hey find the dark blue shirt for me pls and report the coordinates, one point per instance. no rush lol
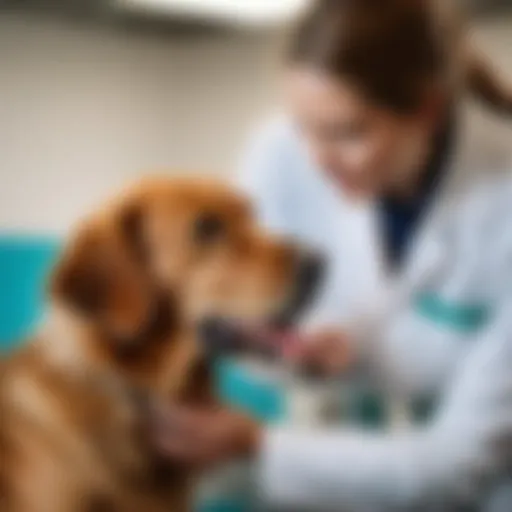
(400, 218)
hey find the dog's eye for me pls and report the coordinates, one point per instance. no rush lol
(208, 228)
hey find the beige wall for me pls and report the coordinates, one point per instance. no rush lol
(84, 110)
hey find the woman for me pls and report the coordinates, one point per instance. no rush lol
(385, 165)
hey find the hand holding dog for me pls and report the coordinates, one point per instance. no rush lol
(202, 438)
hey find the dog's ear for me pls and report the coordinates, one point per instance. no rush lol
(102, 276)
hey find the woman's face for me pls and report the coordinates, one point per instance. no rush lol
(365, 149)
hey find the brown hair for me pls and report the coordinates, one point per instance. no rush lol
(392, 50)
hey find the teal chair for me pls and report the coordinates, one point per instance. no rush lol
(24, 266)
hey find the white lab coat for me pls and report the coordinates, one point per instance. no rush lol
(462, 256)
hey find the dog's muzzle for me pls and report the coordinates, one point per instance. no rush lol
(226, 337)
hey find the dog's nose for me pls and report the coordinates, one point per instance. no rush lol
(311, 271)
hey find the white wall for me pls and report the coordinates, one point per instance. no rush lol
(82, 110)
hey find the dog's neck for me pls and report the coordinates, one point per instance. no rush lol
(70, 343)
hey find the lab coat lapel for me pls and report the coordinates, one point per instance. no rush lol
(430, 253)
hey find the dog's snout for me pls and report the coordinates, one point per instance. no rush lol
(311, 271)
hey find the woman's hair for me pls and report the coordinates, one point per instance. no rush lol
(393, 50)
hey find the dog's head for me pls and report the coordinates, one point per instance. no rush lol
(168, 258)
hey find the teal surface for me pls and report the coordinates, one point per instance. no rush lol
(224, 506)
(257, 397)
(24, 266)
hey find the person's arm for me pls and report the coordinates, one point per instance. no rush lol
(380, 472)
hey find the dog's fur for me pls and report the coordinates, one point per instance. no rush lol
(126, 299)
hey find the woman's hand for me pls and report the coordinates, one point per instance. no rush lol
(205, 437)
(326, 353)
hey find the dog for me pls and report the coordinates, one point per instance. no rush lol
(135, 285)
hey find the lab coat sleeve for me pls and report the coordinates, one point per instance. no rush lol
(265, 176)
(439, 465)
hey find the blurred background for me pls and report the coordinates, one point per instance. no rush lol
(94, 93)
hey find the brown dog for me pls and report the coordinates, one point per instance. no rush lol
(127, 298)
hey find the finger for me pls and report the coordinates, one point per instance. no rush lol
(180, 418)
(174, 448)
(180, 448)
(191, 453)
